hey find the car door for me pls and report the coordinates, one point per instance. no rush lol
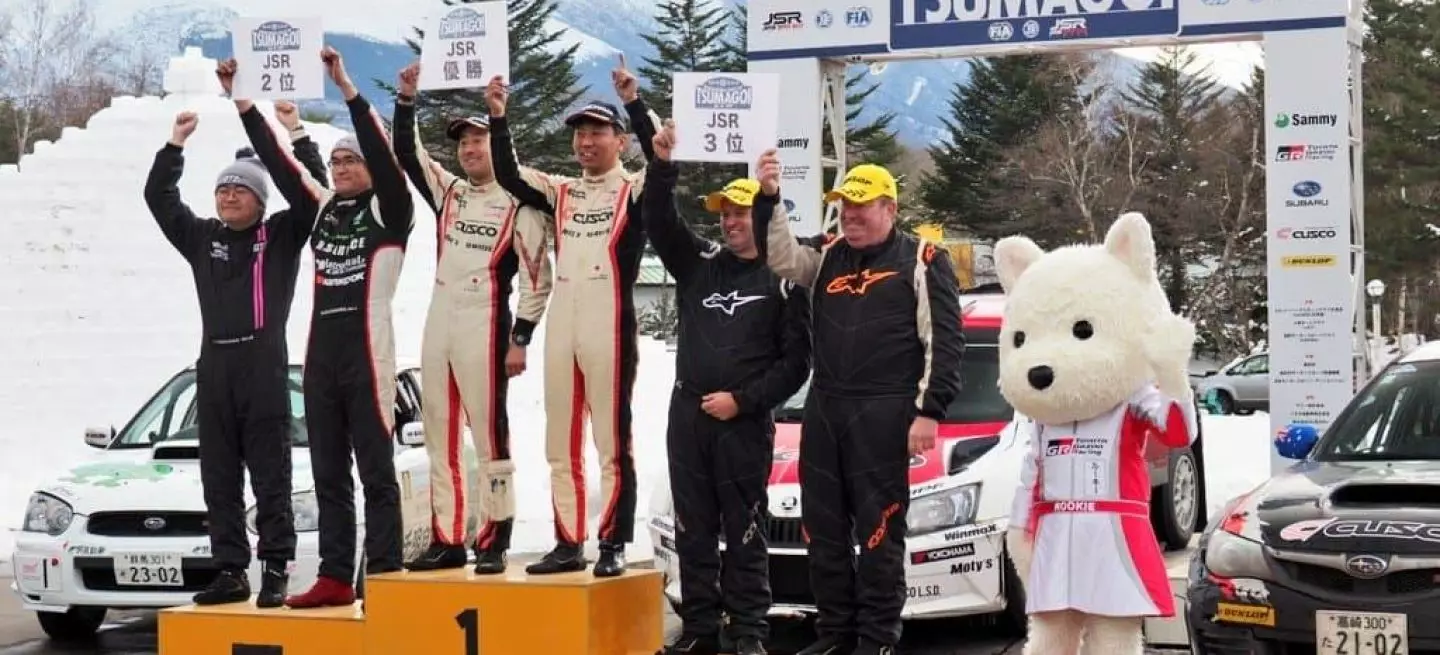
(1252, 385)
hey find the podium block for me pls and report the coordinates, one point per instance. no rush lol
(460, 613)
(243, 629)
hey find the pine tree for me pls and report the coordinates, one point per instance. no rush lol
(691, 38)
(1172, 102)
(543, 87)
(1004, 104)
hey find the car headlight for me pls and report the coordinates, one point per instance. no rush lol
(47, 514)
(303, 505)
(1233, 556)
(943, 509)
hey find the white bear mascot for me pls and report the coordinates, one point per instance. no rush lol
(1091, 354)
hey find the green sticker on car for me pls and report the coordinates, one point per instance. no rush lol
(113, 474)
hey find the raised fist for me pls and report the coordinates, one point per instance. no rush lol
(496, 94)
(664, 140)
(410, 80)
(185, 124)
(626, 86)
(287, 113)
(768, 172)
(226, 72)
(334, 65)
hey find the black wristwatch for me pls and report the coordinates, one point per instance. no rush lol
(520, 339)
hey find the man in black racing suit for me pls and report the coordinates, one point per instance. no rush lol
(244, 270)
(360, 234)
(886, 324)
(744, 347)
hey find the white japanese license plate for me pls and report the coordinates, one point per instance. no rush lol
(1360, 633)
(149, 570)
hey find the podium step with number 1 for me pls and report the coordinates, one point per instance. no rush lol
(458, 612)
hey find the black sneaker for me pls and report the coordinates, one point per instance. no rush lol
(229, 586)
(872, 647)
(830, 645)
(439, 556)
(611, 562)
(490, 562)
(689, 644)
(564, 558)
(273, 583)
(749, 646)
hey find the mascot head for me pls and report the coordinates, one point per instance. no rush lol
(1087, 326)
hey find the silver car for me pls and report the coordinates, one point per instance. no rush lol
(1241, 387)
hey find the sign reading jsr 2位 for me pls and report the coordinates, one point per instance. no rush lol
(278, 58)
(725, 117)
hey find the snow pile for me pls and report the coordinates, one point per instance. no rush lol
(100, 309)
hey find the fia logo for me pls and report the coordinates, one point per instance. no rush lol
(857, 17)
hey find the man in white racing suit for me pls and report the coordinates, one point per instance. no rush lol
(471, 345)
(591, 337)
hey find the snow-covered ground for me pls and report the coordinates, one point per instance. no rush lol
(99, 310)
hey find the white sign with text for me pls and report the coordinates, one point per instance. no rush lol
(725, 117)
(802, 181)
(465, 46)
(278, 58)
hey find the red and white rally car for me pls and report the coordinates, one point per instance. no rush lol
(960, 497)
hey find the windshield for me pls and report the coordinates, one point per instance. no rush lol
(171, 414)
(979, 400)
(1396, 417)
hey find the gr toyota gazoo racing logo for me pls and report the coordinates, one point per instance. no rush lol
(1061, 446)
(1335, 528)
(1307, 233)
(1307, 152)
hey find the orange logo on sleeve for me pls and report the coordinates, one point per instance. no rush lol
(857, 283)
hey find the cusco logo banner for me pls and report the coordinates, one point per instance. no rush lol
(968, 23)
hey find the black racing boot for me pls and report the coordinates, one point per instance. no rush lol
(273, 583)
(749, 646)
(229, 586)
(490, 561)
(439, 556)
(564, 558)
(689, 644)
(871, 647)
(830, 645)
(611, 562)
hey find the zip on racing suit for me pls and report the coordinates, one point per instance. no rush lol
(359, 247)
(484, 237)
(746, 331)
(886, 326)
(591, 337)
(245, 282)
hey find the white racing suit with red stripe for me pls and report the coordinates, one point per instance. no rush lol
(591, 333)
(1084, 509)
(484, 237)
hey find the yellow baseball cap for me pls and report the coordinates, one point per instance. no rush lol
(864, 183)
(740, 191)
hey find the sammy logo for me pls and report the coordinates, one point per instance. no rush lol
(723, 93)
(275, 36)
(462, 23)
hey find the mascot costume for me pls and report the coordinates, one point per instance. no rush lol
(1094, 363)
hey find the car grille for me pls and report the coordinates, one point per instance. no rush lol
(132, 524)
(1400, 582)
(98, 574)
(785, 533)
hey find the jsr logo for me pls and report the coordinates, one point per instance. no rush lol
(1061, 446)
(477, 229)
(592, 218)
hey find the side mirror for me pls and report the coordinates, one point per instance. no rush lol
(412, 434)
(99, 437)
(1297, 441)
(1210, 372)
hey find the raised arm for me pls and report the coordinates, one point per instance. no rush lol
(397, 206)
(530, 187)
(1174, 418)
(532, 242)
(431, 180)
(786, 374)
(678, 246)
(302, 191)
(779, 248)
(305, 149)
(181, 227)
(937, 319)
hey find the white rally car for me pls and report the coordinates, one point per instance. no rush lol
(960, 498)
(127, 530)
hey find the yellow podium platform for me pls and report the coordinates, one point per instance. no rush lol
(243, 629)
(460, 613)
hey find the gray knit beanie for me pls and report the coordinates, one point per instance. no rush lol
(247, 172)
(348, 142)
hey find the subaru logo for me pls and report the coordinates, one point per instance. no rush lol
(1306, 189)
(1367, 566)
(154, 523)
